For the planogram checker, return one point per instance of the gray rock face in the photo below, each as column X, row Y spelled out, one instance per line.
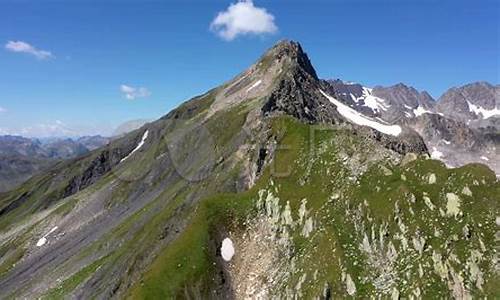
column 434, row 127
column 401, row 94
column 455, row 103
column 403, row 101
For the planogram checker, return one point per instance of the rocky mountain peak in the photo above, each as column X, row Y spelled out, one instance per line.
column 286, row 61
column 401, row 94
column 478, row 100
column 290, row 53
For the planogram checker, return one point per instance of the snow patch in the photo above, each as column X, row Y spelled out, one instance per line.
column 354, row 98
column 485, row 113
column 141, row 143
column 227, row 249
column 446, row 142
column 256, row 84
column 375, row 103
column 420, row 111
column 436, row 154
column 43, row 240
column 484, row 158
column 360, row 119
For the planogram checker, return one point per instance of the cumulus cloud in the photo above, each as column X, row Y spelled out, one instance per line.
column 243, row 18
column 23, row 47
column 132, row 93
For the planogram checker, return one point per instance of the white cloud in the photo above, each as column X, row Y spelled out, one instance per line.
column 58, row 128
column 132, row 93
column 44, row 130
column 243, row 18
column 23, row 47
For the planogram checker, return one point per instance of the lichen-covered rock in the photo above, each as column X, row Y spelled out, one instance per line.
column 308, row 227
column 452, row 205
column 350, row 285
column 466, row 191
column 432, row 178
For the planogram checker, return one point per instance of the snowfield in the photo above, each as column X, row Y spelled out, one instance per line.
column 360, row 119
column 485, row 113
column 141, row 143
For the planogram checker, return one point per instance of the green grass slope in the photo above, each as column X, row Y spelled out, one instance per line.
column 373, row 232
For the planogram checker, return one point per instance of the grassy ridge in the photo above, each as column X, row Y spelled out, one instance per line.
column 334, row 247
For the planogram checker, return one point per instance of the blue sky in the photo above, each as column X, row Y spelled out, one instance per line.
column 96, row 50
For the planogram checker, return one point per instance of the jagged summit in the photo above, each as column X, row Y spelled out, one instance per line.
column 284, row 62
column 292, row 52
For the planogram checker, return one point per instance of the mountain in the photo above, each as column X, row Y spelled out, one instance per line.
column 388, row 103
column 267, row 186
column 21, row 158
column 445, row 125
column 475, row 101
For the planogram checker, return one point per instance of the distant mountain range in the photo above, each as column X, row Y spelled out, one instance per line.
column 462, row 126
column 20, row 157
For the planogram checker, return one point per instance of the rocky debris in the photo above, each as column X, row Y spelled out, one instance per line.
column 259, row 267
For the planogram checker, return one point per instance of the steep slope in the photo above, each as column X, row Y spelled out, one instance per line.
column 273, row 161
